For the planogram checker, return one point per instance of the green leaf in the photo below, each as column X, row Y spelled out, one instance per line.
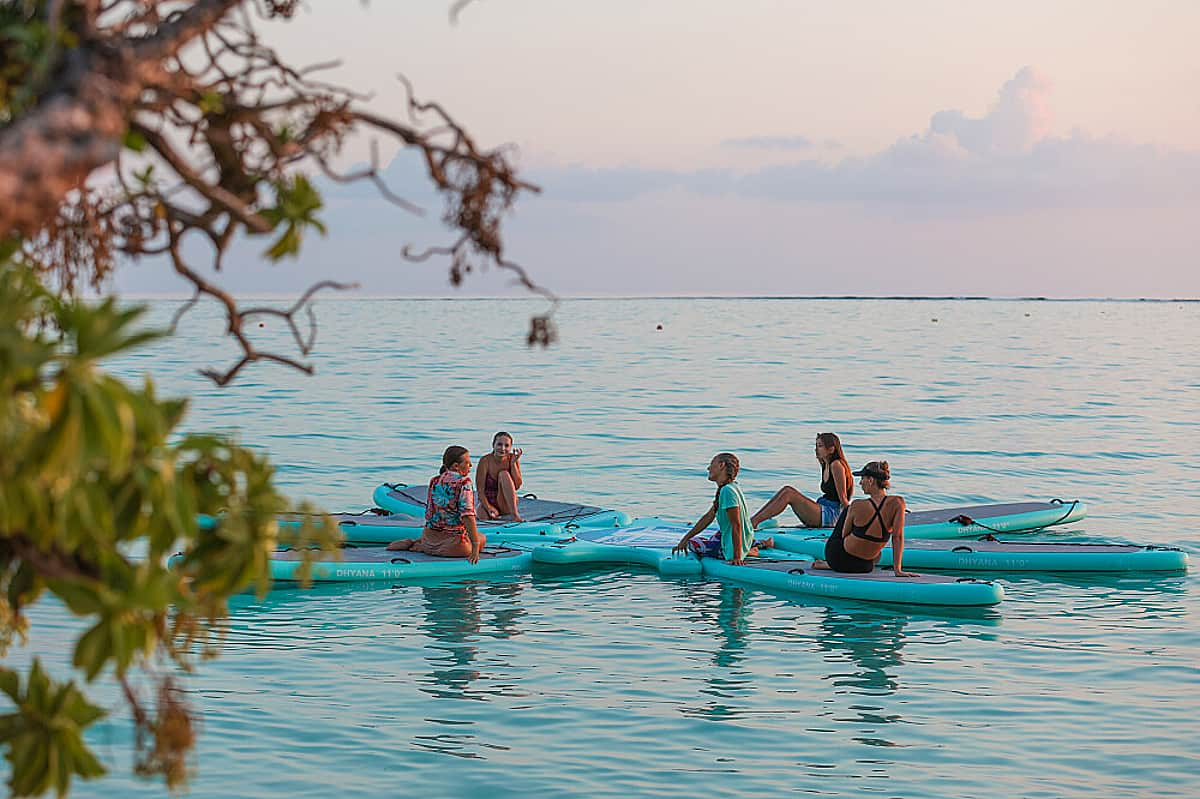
column 134, row 140
column 287, row 244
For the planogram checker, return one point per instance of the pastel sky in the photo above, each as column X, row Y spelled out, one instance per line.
column 695, row 147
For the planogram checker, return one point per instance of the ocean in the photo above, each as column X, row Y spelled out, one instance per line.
column 624, row 683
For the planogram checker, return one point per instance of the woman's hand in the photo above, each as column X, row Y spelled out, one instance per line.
column 906, row 574
column 491, row 512
column 738, row 562
column 681, row 547
column 516, row 454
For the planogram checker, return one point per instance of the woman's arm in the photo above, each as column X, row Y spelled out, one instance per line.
column 704, row 522
column 898, row 541
column 514, row 468
column 735, row 521
column 477, row 540
column 837, row 470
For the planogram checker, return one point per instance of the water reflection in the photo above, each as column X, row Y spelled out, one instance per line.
column 456, row 616
column 729, row 682
column 869, row 643
column 454, row 621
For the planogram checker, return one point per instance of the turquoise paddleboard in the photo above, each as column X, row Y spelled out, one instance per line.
column 540, row 515
column 977, row 520
column 1010, row 556
column 646, row 542
column 363, row 564
column 372, row 528
column 798, row 576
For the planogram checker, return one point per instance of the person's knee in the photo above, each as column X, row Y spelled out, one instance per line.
column 482, row 540
column 790, row 492
column 506, row 481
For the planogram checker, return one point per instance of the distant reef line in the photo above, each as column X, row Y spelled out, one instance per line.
column 591, row 298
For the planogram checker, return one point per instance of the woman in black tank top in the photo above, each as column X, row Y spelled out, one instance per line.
column 866, row 527
column 836, row 488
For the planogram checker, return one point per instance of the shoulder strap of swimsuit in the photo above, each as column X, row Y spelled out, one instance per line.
column 878, row 514
column 862, row 532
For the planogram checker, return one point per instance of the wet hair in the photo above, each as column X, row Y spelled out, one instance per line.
column 451, row 457
column 830, row 441
column 496, row 437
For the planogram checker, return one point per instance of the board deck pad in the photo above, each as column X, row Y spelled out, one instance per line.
column 876, row 576
column 532, row 509
column 653, row 535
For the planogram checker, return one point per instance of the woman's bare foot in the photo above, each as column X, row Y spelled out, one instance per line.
column 402, row 545
column 820, row 564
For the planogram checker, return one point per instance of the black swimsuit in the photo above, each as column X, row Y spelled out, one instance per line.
column 829, row 488
column 835, row 548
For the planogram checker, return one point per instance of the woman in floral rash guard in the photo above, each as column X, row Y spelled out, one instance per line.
column 450, row 530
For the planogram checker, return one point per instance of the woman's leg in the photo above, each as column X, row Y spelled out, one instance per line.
column 447, row 546
column 508, row 497
column 807, row 511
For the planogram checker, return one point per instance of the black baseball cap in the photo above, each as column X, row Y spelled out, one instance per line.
column 877, row 469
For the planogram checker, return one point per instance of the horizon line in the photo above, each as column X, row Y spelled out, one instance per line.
column 598, row 297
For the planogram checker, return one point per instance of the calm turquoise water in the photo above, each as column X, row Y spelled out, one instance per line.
column 626, row 684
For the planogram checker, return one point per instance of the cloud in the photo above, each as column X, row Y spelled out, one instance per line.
column 1020, row 117
column 1001, row 161
column 770, row 143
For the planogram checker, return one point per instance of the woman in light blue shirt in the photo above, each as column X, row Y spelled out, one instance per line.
column 735, row 540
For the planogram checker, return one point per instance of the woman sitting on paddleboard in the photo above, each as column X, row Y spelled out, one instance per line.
column 866, row 527
column 837, row 486
column 450, row 530
column 499, row 473
column 735, row 539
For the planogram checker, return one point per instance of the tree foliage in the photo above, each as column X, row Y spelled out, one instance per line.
column 91, row 476
column 128, row 127
column 208, row 134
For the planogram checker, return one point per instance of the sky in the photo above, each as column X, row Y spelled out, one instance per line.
column 695, row 147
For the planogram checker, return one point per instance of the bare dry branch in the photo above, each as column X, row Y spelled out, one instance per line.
column 226, row 125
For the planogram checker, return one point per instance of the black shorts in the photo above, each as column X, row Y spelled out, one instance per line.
column 842, row 561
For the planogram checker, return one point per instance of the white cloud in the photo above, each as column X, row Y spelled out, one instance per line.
column 1020, row 117
column 1002, row 161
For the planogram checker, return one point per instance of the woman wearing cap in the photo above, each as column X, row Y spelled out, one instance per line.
column 450, row 530
column 866, row 527
column 836, row 488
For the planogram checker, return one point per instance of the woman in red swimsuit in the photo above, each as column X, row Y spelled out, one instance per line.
column 499, row 474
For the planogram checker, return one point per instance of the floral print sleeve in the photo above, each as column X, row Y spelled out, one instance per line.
column 451, row 497
column 466, row 498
